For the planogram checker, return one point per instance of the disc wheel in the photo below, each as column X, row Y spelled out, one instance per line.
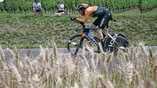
column 109, row 45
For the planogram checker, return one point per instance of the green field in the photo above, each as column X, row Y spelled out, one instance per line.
column 27, row 31
column 26, row 5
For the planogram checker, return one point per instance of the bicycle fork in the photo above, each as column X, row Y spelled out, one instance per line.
column 79, row 45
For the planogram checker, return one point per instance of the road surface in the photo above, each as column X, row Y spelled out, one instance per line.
column 60, row 51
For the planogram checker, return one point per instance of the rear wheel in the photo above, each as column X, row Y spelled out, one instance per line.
column 120, row 42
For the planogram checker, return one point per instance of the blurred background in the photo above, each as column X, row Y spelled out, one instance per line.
column 49, row 5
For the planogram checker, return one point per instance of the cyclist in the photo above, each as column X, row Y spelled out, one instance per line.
column 87, row 12
column 37, row 7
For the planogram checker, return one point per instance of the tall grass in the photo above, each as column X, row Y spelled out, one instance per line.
column 135, row 68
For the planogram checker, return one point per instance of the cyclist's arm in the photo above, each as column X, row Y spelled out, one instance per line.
column 86, row 18
column 88, row 14
column 83, row 19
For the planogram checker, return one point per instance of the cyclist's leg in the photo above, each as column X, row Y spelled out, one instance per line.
column 91, row 38
column 104, row 24
column 97, row 30
column 89, row 34
column 97, row 22
column 105, row 21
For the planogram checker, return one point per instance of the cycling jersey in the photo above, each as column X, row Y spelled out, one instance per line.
column 103, row 16
column 101, row 11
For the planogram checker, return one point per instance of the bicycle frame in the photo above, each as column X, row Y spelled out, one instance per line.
column 113, row 38
column 85, row 33
column 107, row 41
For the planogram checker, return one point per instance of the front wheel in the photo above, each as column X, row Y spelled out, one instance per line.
column 74, row 43
column 77, row 42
